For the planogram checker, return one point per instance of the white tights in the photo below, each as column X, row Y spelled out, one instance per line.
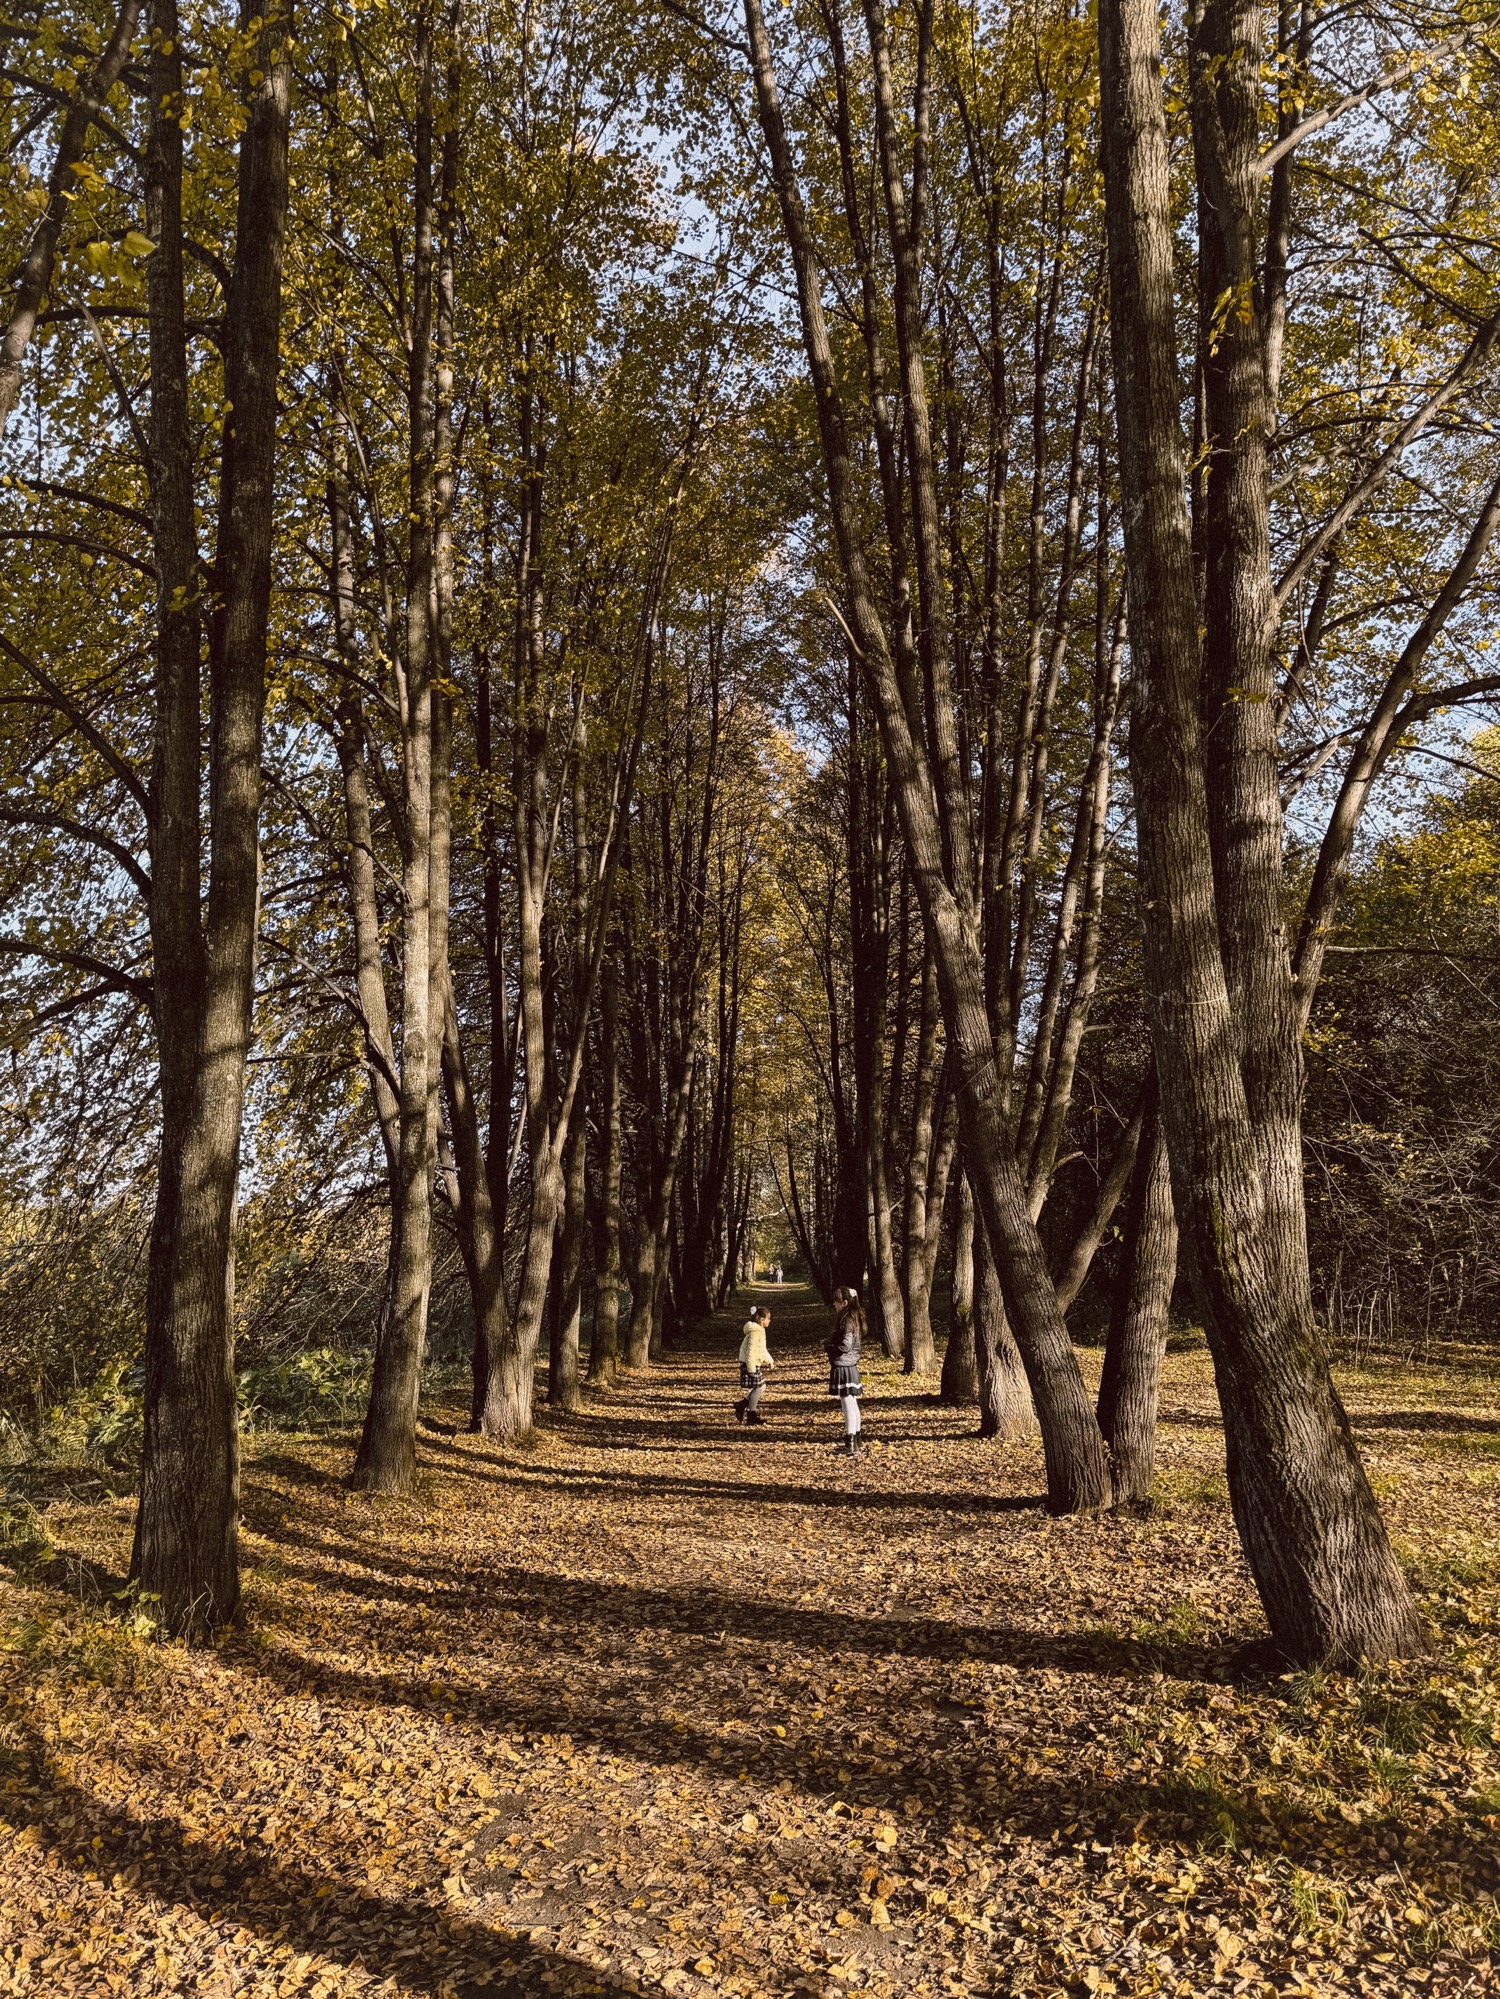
column 850, row 1406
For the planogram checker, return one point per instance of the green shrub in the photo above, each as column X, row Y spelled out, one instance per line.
column 305, row 1390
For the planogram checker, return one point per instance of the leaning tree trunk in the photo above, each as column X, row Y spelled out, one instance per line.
column 1227, row 1062
column 1005, row 1406
column 928, row 784
column 1130, row 1384
column 960, row 1383
column 185, row 1552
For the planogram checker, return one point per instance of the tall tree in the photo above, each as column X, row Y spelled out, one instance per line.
column 203, row 927
column 1219, row 977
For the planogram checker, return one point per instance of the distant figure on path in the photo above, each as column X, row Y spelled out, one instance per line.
column 778, row 1273
column 755, row 1358
column 843, row 1350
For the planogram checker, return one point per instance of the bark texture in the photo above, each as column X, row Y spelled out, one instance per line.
column 1005, row 1405
column 1130, row 1385
column 1223, row 1019
column 185, row 1549
column 960, row 1382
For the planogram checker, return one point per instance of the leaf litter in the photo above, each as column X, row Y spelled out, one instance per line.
column 658, row 1705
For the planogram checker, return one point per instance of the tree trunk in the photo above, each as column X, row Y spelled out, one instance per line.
column 886, row 1313
column 1131, row 1381
column 1311, row 1530
column 960, row 1383
column 387, row 1456
column 185, row 1551
column 479, row 1238
column 643, row 1333
column 642, row 1292
column 563, row 1390
column 604, row 1346
column 509, row 1390
column 924, row 1255
column 919, row 1351
column 1005, row 1406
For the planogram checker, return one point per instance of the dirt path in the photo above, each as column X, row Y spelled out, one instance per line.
column 664, row 1705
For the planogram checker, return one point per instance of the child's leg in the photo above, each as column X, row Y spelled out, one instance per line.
column 850, row 1406
column 752, row 1400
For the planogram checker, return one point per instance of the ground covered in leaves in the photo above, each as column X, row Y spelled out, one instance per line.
column 659, row 1705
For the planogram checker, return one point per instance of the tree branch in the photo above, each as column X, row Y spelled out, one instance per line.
column 91, row 734
column 59, row 822
column 1391, row 80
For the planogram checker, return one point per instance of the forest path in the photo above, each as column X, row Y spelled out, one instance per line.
column 662, row 1705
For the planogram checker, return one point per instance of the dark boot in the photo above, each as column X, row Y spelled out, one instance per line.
column 739, row 1410
column 754, row 1416
column 856, row 1445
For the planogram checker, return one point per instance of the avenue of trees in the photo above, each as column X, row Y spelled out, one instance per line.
column 633, row 636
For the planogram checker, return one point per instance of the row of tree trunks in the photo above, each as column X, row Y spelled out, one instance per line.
column 934, row 820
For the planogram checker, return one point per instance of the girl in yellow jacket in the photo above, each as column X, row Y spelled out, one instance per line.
column 755, row 1358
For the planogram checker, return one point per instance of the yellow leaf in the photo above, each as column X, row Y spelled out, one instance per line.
column 138, row 244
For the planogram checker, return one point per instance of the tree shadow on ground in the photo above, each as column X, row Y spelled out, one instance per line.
column 1426, row 1419
column 73, row 1575
column 495, row 1469
column 960, row 1773
column 423, row 1947
column 701, row 1610
column 295, row 1471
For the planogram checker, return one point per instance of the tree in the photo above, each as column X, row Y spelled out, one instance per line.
column 1219, row 975
column 203, row 931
